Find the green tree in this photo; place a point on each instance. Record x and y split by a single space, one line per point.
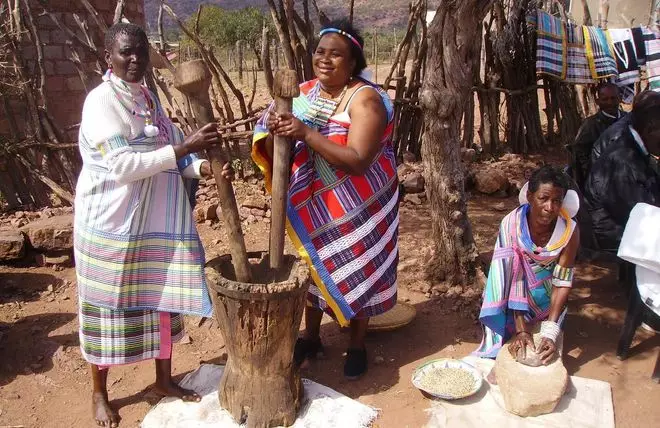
223 28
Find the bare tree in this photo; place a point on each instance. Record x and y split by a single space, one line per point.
452 53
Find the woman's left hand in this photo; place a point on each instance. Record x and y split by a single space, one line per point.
227 171
546 350
289 126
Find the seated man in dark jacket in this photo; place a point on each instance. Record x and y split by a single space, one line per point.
625 174
613 133
608 102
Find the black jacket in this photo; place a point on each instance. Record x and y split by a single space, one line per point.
589 132
619 179
611 134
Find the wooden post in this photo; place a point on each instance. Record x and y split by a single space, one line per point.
193 79
285 88
350 13
603 12
239 61
376 57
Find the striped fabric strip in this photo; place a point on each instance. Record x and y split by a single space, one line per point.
640 46
599 53
519 278
577 68
344 226
115 143
551 46
652 45
110 337
145 271
629 73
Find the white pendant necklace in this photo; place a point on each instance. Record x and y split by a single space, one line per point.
150 130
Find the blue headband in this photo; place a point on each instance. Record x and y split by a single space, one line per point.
343 33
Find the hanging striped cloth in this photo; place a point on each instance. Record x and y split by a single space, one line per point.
577 66
626 62
640 46
599 53
550 46
652 46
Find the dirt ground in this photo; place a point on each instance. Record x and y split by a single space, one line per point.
45 383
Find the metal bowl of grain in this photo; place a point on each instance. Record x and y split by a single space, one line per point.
447 378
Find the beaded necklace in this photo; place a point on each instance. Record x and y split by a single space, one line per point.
150 130
321 109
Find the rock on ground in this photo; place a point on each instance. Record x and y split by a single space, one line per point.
12 244
255 201
491 181
414 183
530 391
51 234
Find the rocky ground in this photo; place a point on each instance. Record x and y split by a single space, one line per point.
45 383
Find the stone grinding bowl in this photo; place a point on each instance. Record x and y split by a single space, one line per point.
425 370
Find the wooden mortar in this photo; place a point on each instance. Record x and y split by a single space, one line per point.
261 384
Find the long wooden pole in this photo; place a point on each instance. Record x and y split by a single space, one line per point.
193 79
285 88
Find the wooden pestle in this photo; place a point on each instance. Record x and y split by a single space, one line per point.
193 79
285 89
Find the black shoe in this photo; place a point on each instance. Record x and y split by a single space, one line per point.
306 348
356 363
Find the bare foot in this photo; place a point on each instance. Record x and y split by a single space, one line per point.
171 389
103 413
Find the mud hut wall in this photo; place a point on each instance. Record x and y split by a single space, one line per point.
63 88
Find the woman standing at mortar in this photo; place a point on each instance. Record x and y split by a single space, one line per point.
342 202
139 260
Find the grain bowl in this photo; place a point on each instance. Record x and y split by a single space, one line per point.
447 378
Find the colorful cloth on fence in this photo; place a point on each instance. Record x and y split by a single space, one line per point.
640 46
629 74
652 46
577 66
136 244
520 278
550 46
345 226
110 337
599 53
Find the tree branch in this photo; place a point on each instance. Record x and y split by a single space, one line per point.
95 15
56 188
119 11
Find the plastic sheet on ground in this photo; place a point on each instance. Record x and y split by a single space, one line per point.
587 403
323 407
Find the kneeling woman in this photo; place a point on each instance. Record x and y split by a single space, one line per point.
531 273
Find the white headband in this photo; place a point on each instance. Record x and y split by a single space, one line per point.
571 203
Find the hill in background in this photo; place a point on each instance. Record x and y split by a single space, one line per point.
368 14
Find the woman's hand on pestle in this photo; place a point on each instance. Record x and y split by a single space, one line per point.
227 171
204 138
287 125
547 349
520 343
